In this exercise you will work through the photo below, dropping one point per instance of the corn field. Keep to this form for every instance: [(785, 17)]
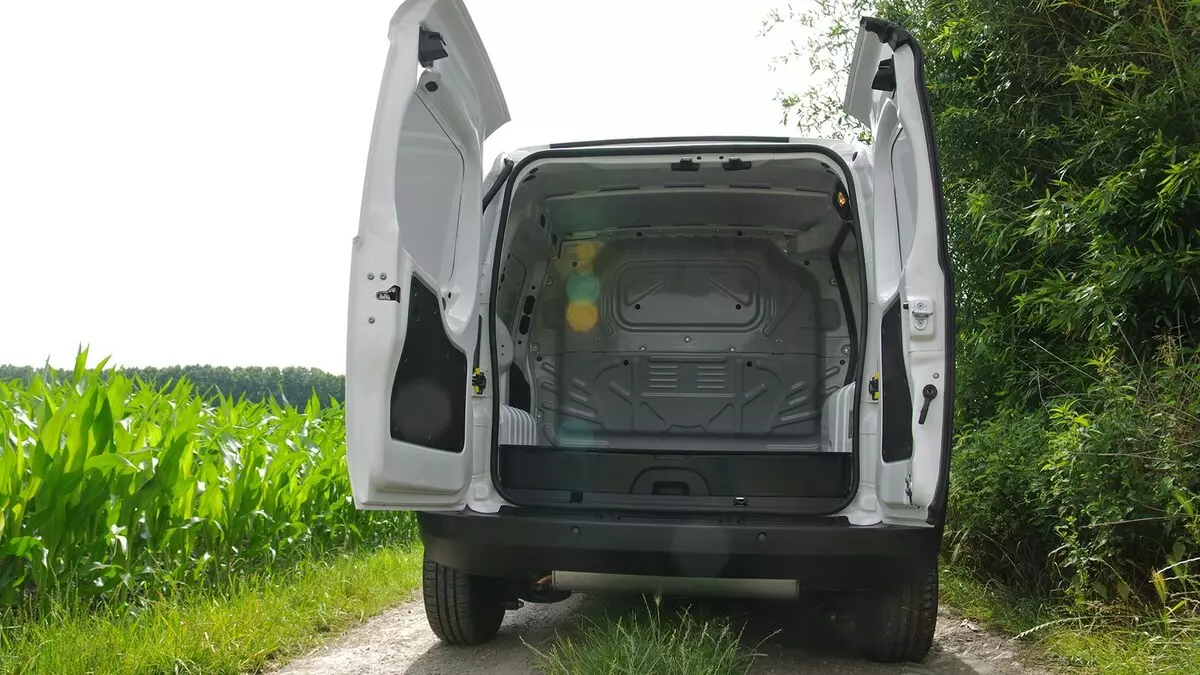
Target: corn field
[(113, 491)]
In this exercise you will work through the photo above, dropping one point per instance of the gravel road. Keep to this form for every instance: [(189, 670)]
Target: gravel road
[(399, 641)]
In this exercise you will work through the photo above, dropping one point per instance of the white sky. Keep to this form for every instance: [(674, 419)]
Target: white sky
[(179, 183)]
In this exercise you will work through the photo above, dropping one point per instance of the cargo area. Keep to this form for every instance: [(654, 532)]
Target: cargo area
[(678, 330)]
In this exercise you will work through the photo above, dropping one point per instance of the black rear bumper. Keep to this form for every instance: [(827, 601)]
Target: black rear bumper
[(820, 553)]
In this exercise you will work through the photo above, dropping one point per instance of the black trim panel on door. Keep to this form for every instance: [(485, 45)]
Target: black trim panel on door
[(897, 395), (429, 391)]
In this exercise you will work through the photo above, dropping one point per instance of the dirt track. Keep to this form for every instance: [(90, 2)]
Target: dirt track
[(399, 641)]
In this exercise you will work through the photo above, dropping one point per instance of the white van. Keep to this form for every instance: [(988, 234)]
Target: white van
[(715, 365)]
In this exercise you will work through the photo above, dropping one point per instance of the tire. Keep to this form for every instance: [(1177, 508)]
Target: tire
[(897, 624), (462, 609)]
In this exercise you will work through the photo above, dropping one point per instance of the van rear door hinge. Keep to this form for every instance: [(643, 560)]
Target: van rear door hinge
[(391, 295), (431, 46)]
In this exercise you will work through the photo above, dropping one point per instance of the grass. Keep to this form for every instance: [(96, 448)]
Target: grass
[(236, 629), (664, 643), (113, 491), (1116, 644), (646, 642)]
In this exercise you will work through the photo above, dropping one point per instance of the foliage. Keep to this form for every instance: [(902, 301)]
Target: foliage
[(1111, 645), (825, 32), (293, 385), (112, 490), (997, 516), (1098, 496), (240, 625), (648, 642), (1070, 153), (1071, 163)]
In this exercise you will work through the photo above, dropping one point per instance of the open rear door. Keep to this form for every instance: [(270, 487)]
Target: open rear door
[(911, 339), (413, 317)]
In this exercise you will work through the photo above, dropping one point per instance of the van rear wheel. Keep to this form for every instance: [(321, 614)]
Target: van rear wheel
[(462, 608), (897, 624)]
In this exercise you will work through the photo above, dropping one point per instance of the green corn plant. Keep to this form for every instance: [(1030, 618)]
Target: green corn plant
[(115, 491)]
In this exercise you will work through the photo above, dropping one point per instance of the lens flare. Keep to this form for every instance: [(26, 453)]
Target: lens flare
[(583, 288), (582, 315), (583, 255), (585, 251), (574, 431)]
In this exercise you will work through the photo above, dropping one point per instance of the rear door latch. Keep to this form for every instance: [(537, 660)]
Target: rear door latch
[(921, 310)]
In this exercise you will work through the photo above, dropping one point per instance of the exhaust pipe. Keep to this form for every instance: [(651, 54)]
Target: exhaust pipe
[(773, 589)]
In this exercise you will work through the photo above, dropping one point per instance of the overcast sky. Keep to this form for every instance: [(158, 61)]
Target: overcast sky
[(180, 182)]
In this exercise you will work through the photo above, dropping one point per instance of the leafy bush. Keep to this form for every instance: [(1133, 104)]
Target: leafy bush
[(1103, 485), (1070, 153), (1071, 159), (997, 517), (112, 490)]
